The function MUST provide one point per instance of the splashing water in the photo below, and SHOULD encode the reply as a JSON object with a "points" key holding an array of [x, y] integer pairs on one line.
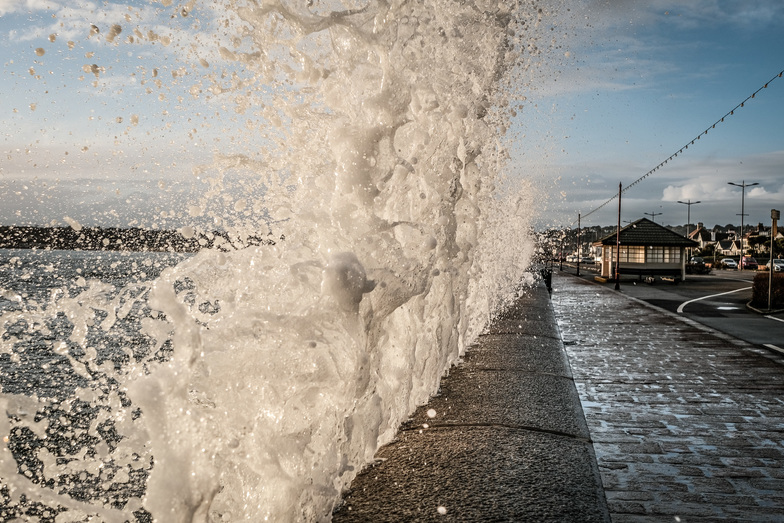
{"points": [[256, 383]]}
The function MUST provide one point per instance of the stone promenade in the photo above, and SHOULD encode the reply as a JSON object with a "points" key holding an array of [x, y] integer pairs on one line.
{"points": [[687, 424], [505, 439]]}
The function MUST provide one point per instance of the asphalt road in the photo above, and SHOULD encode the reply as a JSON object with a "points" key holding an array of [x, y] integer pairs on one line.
{"points": [[717, 300]]}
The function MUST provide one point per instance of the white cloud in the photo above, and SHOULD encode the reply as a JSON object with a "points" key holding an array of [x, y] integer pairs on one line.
{"points": [[74, 20], [644, 29], [14, 6], [709, 179], [620, 14], [698, 190], [768, 192]]}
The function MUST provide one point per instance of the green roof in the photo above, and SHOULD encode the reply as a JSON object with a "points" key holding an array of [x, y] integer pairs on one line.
{"points": [[646, 232]]}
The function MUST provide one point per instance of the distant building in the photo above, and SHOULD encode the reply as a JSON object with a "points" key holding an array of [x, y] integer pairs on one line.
{"points": [[702, 236], [728, 248], [706, 237], [646, 249], [758, 240]]}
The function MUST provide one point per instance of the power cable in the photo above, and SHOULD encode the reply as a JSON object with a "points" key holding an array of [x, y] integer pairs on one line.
{"points": [[682, 149]]}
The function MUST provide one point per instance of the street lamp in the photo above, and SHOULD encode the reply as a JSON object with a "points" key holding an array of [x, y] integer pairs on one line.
{"points": [[653, 215], [743, 186], [688, 215]]}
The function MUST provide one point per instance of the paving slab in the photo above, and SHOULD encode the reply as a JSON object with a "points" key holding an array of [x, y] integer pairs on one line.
{"points": [[687, 423], [514, 353], [505, 439], [480, 473]]}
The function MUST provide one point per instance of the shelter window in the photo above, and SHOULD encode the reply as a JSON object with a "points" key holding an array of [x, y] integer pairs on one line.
{"points": [[658, 254], [634, 254], [629, 254]]}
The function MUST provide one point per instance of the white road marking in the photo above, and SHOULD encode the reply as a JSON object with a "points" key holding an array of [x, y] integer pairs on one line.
{"points": [[682, 305], [773, 347], [734, 279], [775, 318]]}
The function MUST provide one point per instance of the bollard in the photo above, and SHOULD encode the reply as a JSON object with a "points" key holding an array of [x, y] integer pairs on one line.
{"points": [[547, 276]]}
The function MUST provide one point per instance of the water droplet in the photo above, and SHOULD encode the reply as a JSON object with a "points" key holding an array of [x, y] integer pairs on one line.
{"points": [[113, 32]]}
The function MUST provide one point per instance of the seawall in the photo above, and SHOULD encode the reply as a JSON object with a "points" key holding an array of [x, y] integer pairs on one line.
{"points": [[508, 441]]}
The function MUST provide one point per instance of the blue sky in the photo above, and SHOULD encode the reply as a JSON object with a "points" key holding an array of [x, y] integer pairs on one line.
{"points": [[109, 128], [625, 85], [643, 81]]}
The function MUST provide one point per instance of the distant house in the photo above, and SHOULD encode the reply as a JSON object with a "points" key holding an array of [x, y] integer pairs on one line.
{"points": [[706, 237], [702, 236], [728, 248], [646, 249], [759, 240]]}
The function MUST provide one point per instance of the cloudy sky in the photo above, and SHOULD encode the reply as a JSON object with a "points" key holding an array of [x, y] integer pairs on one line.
{"points": [[642, 80], [108, 106], [109, 110]]}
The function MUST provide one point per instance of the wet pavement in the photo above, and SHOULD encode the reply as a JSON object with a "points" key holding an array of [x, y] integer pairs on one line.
{"points": [[718, 300], [621, 412], [687, 423]]}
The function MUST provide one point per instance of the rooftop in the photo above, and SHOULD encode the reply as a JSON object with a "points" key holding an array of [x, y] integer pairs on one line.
{"points": [[646, 232]]}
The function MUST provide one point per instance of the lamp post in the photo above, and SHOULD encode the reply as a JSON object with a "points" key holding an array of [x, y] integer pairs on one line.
{"points": [[688, 215], [689, 203], [653, 215], [775, 215], [618, 242], [743, 186], [579, 239]]}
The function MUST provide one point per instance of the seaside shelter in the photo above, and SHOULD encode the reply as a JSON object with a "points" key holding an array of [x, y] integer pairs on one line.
{"points": [[646, 249]]}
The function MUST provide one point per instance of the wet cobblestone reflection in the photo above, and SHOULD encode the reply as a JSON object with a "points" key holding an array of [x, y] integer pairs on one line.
{"points": [[687, 424]]}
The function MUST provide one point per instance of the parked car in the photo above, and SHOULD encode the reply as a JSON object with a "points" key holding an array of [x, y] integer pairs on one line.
{"points": [[749, 263], [778, 266], [728, 263], [696, 265]]}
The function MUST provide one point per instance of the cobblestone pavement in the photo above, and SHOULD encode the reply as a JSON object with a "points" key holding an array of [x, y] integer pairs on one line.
{"points": [[687, 423]]}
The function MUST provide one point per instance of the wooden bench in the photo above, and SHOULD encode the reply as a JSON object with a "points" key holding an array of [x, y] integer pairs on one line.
{"points": [[649, 274]]}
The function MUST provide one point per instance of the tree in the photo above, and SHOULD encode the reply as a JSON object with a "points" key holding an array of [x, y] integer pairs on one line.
{"points": [[778, 248], [708, 251], [755, 242]]}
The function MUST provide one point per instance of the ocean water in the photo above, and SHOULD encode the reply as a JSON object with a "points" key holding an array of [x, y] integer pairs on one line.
{"points": [[71, 323], [253, 384]]}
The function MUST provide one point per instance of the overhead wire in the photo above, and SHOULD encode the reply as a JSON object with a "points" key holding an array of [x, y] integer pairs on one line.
{"points": [[731, 112]]}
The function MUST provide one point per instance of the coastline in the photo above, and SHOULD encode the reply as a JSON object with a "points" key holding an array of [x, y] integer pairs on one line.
{"points": [[119, 239]]}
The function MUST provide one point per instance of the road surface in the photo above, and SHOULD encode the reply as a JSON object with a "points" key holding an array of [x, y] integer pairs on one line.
{"points": [[717, 300]]}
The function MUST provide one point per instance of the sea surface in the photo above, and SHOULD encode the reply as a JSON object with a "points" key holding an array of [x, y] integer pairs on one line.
{"points": [[58, 391], [253, 384]]}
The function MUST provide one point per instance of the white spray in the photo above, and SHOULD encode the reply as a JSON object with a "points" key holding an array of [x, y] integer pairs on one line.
{"points": [[292, 363]]}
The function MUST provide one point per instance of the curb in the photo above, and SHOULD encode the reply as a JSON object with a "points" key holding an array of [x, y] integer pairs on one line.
{"points": [[762, 311]]}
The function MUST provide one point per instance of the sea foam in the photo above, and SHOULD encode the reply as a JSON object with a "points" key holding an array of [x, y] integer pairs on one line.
{"points": [[270, 375]]}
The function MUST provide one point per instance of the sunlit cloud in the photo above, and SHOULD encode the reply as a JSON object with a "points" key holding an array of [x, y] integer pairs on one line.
{"points": [[13, 6], [698, 190]]}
